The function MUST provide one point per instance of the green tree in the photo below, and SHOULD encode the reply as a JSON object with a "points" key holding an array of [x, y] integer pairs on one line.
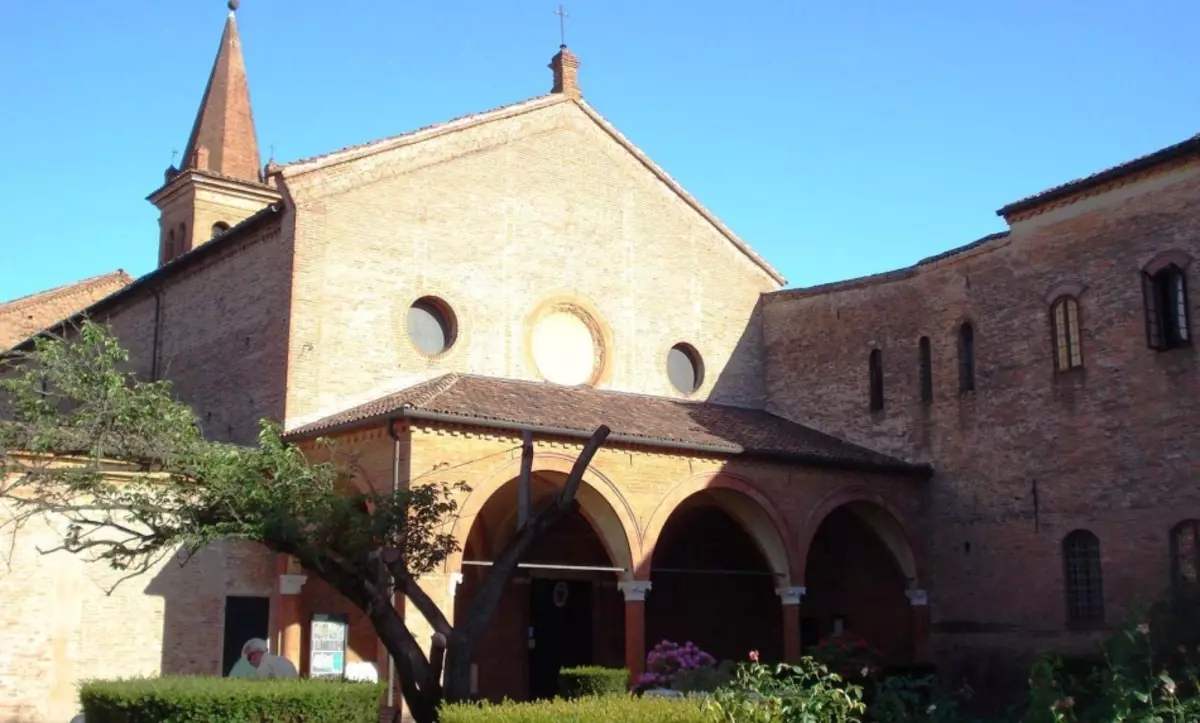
{"points": [[74, 398]]}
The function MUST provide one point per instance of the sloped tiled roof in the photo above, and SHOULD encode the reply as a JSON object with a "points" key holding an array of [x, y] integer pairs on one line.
{"points": [[635, 419], [1188, 147], [23, 317]]}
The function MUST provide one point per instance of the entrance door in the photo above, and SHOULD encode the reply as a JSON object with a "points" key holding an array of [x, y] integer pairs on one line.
{"points": [[245, 618], [560, 620]]}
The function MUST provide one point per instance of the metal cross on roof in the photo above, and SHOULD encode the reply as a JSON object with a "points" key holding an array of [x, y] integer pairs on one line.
{"points": [[562, 24]]}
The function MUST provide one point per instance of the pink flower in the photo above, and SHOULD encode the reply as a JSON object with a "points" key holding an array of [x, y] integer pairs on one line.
{"points": [[754, 656]]}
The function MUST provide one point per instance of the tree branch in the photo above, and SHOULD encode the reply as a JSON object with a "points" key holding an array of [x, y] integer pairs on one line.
{"points": [[488, 594]]}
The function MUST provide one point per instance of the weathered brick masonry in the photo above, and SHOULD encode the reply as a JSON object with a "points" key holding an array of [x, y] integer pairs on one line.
{"points": [[1030, 454]]}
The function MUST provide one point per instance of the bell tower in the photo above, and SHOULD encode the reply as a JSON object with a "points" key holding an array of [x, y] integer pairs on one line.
{"points": [[219, 181]]}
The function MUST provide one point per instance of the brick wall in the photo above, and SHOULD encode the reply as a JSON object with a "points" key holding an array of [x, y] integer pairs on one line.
{"points": [[222, 333], [64, 621], [496, 219], [1030, 455]]}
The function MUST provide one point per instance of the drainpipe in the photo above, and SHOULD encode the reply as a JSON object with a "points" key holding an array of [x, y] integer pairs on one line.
{"points": [[155, 355], [391, 672]]}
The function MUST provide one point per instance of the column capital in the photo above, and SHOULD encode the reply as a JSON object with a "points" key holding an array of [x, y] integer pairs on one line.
{"points": [[634, 590], [917, 598], [291, 584], [455, 580], [791, 595]]}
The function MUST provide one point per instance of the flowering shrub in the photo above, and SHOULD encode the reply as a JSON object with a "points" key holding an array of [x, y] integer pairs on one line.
{"points": [[804, 693], [911, 699], [665, 662], [1131, 687], [847, 655]]}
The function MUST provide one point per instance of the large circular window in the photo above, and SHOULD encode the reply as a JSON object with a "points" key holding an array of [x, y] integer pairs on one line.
{"points": [[565, 346], [431, 325], [685, 368]]}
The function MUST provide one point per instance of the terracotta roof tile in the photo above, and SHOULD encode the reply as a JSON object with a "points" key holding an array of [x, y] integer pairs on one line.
{"points": [[633, 418], [1188, 147], [23, 317]]}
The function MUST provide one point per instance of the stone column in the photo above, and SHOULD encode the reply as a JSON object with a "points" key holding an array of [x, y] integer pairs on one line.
{"points": [[791, 597], [919, 599], [290, 622], [635, 626]]}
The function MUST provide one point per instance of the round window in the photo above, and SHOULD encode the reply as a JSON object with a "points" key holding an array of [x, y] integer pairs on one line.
{"points": [[685, 368], [431, 325], [564, 348]]}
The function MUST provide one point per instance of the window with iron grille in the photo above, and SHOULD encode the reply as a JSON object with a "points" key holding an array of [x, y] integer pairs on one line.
{"points": [[1165, 293], [1085, 590], [875, 379], [1185, 553], [966, 357], [1064, 327], [925, 362]]}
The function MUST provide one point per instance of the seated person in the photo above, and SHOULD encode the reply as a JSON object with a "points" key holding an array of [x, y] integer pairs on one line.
{"points": [[256, 662]]}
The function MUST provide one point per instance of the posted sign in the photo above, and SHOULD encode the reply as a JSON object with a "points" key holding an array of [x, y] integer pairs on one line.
{"points": [[327, 656]]}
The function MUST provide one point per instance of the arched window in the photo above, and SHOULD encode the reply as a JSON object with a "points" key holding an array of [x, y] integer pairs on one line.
{"points": [[1064, 328], [966, 357], [875, 379], [1165, 293], [1185, 553], [925, 364], [219, 228], [1085, 591]]}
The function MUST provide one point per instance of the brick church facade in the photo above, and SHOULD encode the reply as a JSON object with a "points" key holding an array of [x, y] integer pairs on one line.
{"points": [[965, 461]]}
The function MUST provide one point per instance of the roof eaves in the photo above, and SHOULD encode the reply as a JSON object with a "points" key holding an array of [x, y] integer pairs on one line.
{"points": [[412, 412], [1183, 149], [185, 261], [681, 192], [360, 150], [906, 272], [41, 297]]}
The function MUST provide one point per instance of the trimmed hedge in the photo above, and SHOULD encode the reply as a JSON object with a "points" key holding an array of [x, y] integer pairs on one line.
{"points": [[229, 700], [592, 680], [593, 709]]}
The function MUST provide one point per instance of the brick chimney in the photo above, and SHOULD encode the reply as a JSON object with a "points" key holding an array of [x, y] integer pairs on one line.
{"points": [[566, 72]]}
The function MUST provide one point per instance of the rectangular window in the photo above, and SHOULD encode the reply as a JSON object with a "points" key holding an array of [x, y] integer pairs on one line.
{"points": [[966, 358], [1085, 591], [1064, 323], [875, 379], [925, 363], [1165, 297]]}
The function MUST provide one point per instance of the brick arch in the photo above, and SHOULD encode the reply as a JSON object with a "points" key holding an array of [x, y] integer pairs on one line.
{"points": [[757, 514], [600, 502], [886, 520], [1171, 257]]}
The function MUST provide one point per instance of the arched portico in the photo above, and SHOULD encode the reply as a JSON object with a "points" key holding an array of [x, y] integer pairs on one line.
{"points": [[716, 542], [861, 574], [563, 607]]}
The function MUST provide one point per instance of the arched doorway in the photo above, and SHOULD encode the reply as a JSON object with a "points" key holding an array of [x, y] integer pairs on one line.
{"points": [[858, 570], [562, 607], [715, 569]]}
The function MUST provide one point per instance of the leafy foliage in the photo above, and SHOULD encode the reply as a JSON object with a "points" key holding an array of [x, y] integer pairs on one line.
{"points": [[229, 700], [126, 467], [803, 693], [592, 680], [592, 709]]}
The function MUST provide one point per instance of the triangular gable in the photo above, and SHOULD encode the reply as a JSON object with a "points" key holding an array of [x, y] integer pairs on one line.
{"points": [[354, 153]]}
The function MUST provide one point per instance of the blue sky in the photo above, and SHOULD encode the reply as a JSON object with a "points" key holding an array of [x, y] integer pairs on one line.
{"points": [[839, 139]]}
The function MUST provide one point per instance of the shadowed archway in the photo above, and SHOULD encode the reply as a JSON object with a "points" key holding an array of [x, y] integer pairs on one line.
{"points": [[716, 565], [858, 570], [562, 607]]}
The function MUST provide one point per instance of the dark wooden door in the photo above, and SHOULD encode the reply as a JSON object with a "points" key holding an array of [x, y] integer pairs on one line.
{"points": [[560, 619]]}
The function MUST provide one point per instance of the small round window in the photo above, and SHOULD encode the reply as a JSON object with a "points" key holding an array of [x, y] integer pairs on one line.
{"points": [[431, 325], [685, 368]]}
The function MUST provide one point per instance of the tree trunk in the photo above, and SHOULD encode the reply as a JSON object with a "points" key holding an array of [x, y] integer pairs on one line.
{"points": [[458, 668]]}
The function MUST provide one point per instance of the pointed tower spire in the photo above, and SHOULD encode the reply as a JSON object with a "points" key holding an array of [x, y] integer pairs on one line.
{"points": [[223, 139], [217, 184]]}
